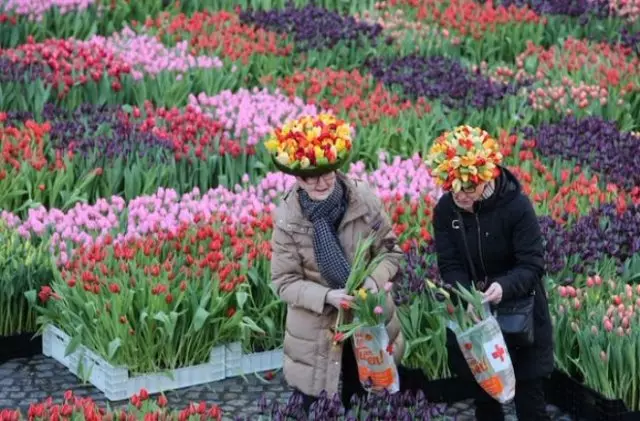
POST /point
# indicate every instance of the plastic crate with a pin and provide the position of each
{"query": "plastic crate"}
(233, 359)
(115, 382)
(262, 361)
(238, 363)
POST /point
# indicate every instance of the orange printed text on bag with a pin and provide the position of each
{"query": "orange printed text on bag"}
(376, 368)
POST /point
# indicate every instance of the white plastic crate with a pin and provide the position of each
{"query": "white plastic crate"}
(115, 382)
(262, 361)
(233, 359)
(238, 363)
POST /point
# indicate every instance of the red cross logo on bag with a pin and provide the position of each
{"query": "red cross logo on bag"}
(499, 353)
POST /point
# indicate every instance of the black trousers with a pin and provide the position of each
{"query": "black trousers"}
(529, 401)
(351, 381)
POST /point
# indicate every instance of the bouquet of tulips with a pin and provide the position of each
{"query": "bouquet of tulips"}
(367, 307)
(481, 342)
(372, 348)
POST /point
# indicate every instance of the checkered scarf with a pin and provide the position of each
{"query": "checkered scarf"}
(325, 216)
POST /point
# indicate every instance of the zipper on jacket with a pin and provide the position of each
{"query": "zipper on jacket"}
(484, 269)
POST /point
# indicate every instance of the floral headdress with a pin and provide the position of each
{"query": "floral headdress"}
(464, 158)
(310, 145)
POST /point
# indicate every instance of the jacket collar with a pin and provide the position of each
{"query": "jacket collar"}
(356, 207)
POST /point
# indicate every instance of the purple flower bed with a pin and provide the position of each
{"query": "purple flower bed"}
(630, 39)
(603, 233)
(405, 406)
(312, 27)
(92, 129)
(18, 72)
(442, 78)
(573, 8)
(594, 142)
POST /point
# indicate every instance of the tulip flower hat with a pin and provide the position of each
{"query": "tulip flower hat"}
(463, 158)
(310, 145)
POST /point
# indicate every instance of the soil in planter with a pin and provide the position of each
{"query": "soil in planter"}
(583, 403)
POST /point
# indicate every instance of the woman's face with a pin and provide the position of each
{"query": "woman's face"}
(318, 188)
(465, 198)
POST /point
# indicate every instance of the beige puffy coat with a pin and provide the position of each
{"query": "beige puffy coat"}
(311, 362)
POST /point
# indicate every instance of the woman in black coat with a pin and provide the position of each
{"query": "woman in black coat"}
(505, 246)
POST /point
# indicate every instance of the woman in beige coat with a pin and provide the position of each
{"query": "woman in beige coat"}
(317, 226)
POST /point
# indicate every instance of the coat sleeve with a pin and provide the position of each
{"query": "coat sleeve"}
(386, 242)
(450, 259)
(287, 276)
(526, 241)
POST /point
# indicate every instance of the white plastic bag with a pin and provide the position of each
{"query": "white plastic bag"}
(485, 350)
(376, 367)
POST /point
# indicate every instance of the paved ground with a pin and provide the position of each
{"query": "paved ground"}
(25, 381)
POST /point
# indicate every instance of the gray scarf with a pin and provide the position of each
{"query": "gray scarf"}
(326, 216)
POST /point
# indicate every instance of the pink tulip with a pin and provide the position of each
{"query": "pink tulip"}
(576, 304)
(562, 291)
(590, 282)
(608, 326)
(378, 310)
(148, 56)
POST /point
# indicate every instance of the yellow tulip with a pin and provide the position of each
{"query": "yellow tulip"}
(455, 162)
(313, 133)
(456, 185)
(467, 160)
(341, 145)
(272, 144)
(319, 152)
(283, 158)
(490, 143)
(304, 162)
(444, 166)
(343, 131)
(362, 293)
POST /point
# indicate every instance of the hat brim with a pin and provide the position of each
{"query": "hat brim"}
(310, 172)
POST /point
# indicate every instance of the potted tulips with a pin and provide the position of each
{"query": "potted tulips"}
(597, 345)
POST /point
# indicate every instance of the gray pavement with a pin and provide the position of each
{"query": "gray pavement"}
(25, 381)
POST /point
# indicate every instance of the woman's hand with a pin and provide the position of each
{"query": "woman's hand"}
(494, 293)
(339, 298)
